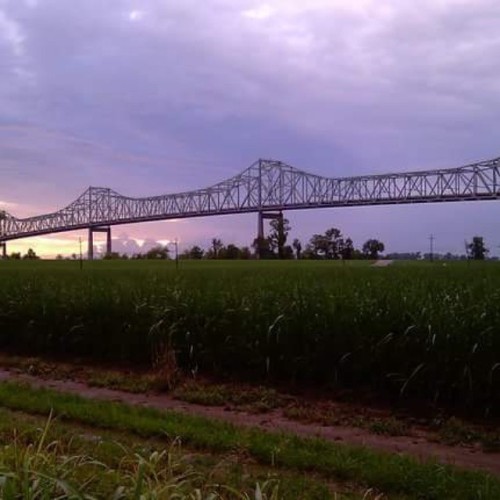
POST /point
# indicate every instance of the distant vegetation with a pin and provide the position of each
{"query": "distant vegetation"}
(330, 245)
(29, 255)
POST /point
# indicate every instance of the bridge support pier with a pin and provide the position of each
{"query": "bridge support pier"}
(260, 227)
(99, 229)
(3, 246)
(267, 215)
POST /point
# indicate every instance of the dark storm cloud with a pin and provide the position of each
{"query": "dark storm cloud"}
(157, 96)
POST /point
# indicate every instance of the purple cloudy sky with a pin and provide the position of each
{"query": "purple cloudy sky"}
(150, 97)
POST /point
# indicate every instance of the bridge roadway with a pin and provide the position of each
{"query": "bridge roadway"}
(267, 187)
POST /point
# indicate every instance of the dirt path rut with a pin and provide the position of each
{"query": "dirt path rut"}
(274, 421)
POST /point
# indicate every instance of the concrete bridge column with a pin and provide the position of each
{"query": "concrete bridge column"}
(260, 225)
(109, 246)
(91, 244)
(3, 246)
(267, 215)
(101, 229)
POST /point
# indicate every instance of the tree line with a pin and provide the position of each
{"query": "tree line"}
(474, 250)
(331, 244)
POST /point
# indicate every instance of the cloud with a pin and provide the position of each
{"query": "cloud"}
(380, 72)
(125, 244)
(136, 15)
(5, 205)
(155, 97)
(261, 12)
(11, 33)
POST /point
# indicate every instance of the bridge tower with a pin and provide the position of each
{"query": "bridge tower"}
(260, 226)
(267, 215)
(263, 214)
(3, 244)
(99, 229)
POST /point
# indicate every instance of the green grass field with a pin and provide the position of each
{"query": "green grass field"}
(290, 466)
(421, 330)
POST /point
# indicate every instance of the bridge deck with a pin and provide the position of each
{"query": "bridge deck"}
(265, 185)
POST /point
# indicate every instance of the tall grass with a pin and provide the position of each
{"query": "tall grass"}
(43, 469)
(398, 476)
(424, 331)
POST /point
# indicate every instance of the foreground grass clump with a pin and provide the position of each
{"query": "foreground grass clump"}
(397, 476)
(32, 465)
(425, 331)
(66, 459)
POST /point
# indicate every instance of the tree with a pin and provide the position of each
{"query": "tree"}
(476, 249)
(217, 246)
(347, 249)
(196, 253)
(59, 257)
(410, 256)
(308, 253)
(157, 252)
(262, 248)
(288, 252)
(232, 252)
(357, 254)
(115, 256)
(30, 255)
(279, 234)
(297, 246)
(15, 256)
(328, 245)
(372, 247)
(319, 246)
(245, 253)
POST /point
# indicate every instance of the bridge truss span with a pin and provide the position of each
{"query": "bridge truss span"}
(267, 185)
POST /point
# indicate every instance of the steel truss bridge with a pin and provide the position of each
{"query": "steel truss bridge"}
(267, 188)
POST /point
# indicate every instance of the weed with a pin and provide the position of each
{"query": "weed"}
(256, 399)
(389, 427)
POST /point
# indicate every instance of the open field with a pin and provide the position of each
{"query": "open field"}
(323, 351)
(425, 331)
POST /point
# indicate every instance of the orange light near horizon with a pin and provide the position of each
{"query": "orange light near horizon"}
(47, 247)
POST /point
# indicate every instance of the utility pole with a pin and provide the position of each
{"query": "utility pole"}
(431, 240)
(3, 244)
(81, 255)
(176, 242)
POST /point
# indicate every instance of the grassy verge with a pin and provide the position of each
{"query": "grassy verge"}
(446, 429)
(52, 459)
(395, 475)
